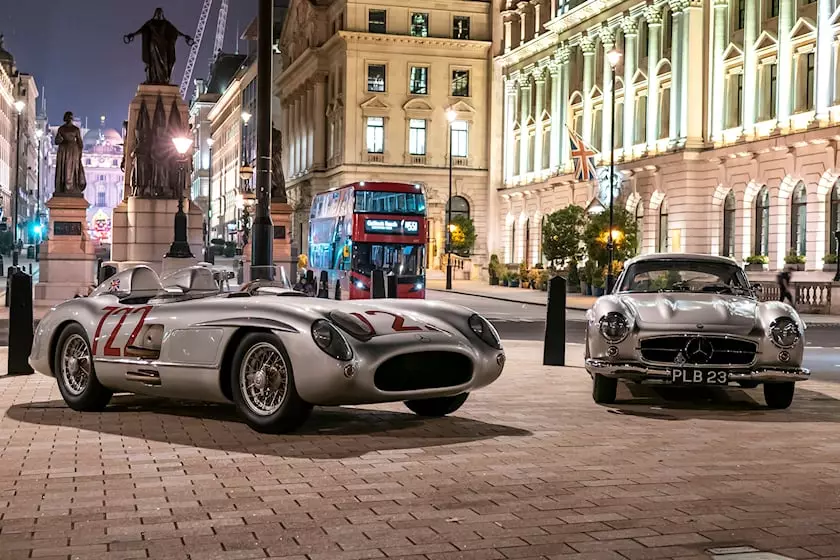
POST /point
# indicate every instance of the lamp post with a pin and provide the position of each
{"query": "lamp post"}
(837, 238)
(19, 105)
(180, 248)
(613, 57)
(451, 115)
(208, 248)
(38, 134)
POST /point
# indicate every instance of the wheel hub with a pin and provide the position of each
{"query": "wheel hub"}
(260, 380)
(73, 366)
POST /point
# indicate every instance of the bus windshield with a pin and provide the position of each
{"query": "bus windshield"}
(377, 202)
(402, 260)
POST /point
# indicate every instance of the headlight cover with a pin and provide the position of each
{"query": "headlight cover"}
(485, 331)
(784, 332)
(614, 327)
(331, 341)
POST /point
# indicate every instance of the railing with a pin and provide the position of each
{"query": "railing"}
(376, 158)
(457, 261)
(416, 159)
(460, 162)
(810, 297)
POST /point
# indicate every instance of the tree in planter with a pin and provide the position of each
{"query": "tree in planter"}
(462, 235)
(494, 269)
(596, 235)
(562, 233)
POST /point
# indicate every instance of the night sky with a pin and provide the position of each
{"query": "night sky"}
(74, 48)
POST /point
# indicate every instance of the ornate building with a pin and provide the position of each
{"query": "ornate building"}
(364, 93)
(726, 115)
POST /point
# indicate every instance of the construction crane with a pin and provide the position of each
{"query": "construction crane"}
(221, 24)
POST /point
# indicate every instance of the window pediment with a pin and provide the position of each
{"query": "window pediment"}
(766, 40)
(639, 77)
(802, 28)
(732, 52)
(418, 109)
(375, 107)
(464, 111)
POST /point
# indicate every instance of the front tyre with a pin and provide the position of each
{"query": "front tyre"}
(437, 407)
(74, 371)
(779, 395)
(263, 386)
(604, 389)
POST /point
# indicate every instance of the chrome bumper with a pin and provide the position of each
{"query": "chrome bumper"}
(650, 374)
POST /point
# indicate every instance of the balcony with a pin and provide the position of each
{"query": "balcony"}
(374, 158)
(415, 159)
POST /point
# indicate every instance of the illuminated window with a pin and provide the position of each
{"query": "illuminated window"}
(728, 245)
(762, 222)
(461, 83)
(460, 139)
(461, 27)
(376, 21)
(417, 137)
(375, 135)
(419, 25)
(418, 83)
(376, 78)
(799, 220)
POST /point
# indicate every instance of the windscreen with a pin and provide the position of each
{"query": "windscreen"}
(684, 276)
(402, 260)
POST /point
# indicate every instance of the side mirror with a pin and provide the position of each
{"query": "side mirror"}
(758, 288)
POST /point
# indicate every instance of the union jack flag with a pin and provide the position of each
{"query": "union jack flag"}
(114, 286)
(583, 157)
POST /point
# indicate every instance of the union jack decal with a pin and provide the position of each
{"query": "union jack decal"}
(583, 157)
(114, 286)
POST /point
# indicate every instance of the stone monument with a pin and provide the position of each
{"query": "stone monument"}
(68, 263)
(143, 224)
(281, 212)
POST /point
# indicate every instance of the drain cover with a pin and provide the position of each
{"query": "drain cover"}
(743, 553)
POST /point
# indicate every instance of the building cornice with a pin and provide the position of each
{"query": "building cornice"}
(362, 38)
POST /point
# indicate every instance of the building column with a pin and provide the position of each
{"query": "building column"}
(692, 81)
(508, 16)
(557, 119)
(293, 140)
(676, 72)
(319, 118)
(564, 55)
(538, 141)
(299, 134)
(631, 31)
(608, 91)
(721, 8)
(525, 109)
(784, 81)
(823, 70)
(510, 119)
(588, 48)
(537, 9)
(522, 10)
(654, 21)
(750, 67)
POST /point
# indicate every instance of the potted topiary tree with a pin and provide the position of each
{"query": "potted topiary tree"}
(493, 269)
(524, 278)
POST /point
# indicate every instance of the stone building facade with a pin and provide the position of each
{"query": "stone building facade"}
(364, 92)
(726, 122)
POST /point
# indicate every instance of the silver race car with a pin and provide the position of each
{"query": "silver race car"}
(692, 320)
(270, 350)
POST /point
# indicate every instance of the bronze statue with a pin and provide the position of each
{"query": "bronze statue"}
(159, 39)
(69, 173)
(278, 180)
(142, 154)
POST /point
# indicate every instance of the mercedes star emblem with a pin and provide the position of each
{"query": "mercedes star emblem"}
(699, 350)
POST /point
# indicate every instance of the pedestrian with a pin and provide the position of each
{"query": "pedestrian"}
(784, 280)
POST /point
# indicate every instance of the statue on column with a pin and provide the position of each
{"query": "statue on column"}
(142, 154)
(278, 180)
(159, 40)
(69, 173)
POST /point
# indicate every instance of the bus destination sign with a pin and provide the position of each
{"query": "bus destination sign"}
(392, 227)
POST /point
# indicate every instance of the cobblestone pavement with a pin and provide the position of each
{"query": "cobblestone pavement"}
(529, 468)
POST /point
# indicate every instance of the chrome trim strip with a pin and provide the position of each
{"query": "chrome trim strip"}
(639, 372)
(261, 323)
(151, 363)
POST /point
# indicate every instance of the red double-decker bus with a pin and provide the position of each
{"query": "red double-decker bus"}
(369, 226)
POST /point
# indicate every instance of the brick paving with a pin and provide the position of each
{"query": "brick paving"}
(529, 468)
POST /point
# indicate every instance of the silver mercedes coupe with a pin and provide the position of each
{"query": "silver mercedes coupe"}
(692, 320)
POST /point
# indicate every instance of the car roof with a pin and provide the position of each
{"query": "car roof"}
(682, 257)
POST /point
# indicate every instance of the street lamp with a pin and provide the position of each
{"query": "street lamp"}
(19, 105)
(208, 248)
(180, 248)
(613, 57)
(38, 134)
(451, 115)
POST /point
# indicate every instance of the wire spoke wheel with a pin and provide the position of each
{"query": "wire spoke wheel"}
(75, 364)
(264, 379)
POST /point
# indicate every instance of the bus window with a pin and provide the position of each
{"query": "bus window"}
(402, 260)
(377, 202)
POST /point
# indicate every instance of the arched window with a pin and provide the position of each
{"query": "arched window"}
(540, 251)
(834, 217)
(762, 222)
(662, 245)
(799, 220)
(728, 246)
(459, 205)
(640, 225)
(527, 241)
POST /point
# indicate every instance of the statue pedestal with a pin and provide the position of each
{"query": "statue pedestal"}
(143, 230)
(281, 217)
(68, 262)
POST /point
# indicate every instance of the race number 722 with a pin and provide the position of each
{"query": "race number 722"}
(123, 313)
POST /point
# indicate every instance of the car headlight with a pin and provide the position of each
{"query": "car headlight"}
(784, 332)
(485, 331)
(614, 327)
(331, 341)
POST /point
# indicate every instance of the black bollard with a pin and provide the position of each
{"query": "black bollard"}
(30, 269)
(554, 346)
(324, 286)
(392, 286)
(338, 289)
(21, 326)
(378, 284)
(9, 272)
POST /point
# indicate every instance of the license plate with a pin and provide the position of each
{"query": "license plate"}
(690, 376)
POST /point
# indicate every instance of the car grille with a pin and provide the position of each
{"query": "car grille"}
(423, 370)
(698, 350)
